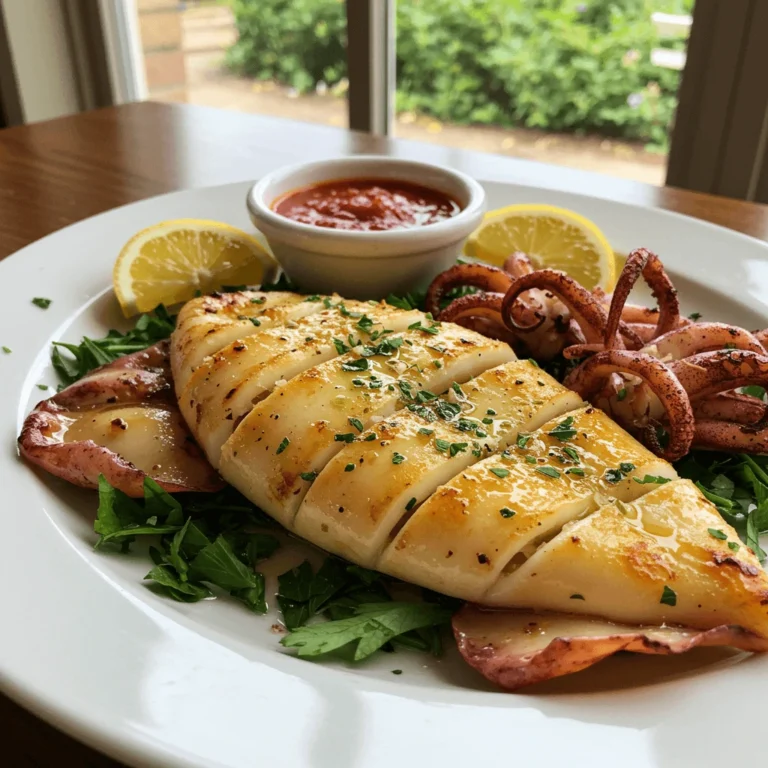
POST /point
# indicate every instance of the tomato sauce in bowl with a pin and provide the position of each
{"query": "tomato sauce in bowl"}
(367, 205)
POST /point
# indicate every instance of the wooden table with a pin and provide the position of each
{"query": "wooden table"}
(55, 173)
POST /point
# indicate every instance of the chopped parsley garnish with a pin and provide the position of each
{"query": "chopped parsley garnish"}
(668, 596)
(425, 396)
(522, 440)
(43, 387)
(425, 431)
(7, 350)
(284, 443)
(564, 430)
(397, 458)
(346, 313)
(405, 389)
(621, 394)
(385, 347)
(657, 479)
(457, 448)
(577, 596)
(365, 324)
(370, 438)
(341, 347)
(458, 390)
(255, 321)
(397, 671)
(500, 472)
(42, 303)
(347, 437)
(575, 471)
(437, 363)
(491, 412)
(262, 299)
(442, 445)
(486, 420)
(308, 476)
(507, 512)
(433, 329)
(361, 364)
(356, 423)
(530, 459)
(549, 472)
(446, 410)
(349, 468)
(753, 390)
(734, 546)
(695, 316)
(572, 453)
(410, 505)
(717, 534)
(614, 476)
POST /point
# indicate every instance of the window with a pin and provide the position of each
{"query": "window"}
(284, 58)
(588, 84)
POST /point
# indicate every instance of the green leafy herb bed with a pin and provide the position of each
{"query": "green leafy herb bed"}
(204, 545)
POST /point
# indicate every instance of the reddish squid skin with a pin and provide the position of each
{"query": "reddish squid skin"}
(708, 373)
(705, 337)
(588, 378)
(482, 276)
(481, 312)
(140, 378)
(589, 315)
(641, 262)
(729, 436)
(731, 406)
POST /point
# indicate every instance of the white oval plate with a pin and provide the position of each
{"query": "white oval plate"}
(84, 645)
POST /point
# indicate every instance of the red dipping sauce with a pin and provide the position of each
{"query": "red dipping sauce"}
(367, 205)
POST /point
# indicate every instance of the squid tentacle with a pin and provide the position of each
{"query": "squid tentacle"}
(708, 373)
(641, 262)
(703, 337)
(588, 378)
(482, 276)
(584, 308)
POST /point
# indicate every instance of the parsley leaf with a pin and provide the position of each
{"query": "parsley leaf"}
(42, 303)
(371, 627)
(361, 364)
(72, 361)
(446, 410)
(668, 596)
(657, 479)
(564, 430)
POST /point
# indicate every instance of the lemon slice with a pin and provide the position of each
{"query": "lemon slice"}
(552, 237)
(170, 262)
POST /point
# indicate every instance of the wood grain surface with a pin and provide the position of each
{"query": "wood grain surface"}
(56, 173)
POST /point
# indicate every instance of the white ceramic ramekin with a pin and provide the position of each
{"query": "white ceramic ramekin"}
(365, 265)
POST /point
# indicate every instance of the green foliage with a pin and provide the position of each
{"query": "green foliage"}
(296, 42)
(558, 65)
